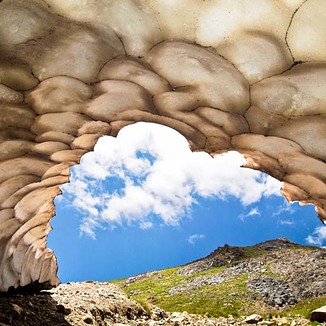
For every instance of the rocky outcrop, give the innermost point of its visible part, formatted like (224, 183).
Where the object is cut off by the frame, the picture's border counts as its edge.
(225, 255)
(219, 257)
(275, 292)
(305, 272)
(97, 303)
(228, 75)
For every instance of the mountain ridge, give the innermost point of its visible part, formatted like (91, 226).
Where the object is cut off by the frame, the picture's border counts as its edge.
(227, 254)
(272, 276)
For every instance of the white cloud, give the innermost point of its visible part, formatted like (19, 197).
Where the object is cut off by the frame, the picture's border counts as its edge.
(318, 237)
(288, 208)
(145, 225)
(286, 222)
(195, 237)
(253, 212)
(165, 187)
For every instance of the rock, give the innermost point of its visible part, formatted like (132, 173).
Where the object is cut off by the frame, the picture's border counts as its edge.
(275, 292)
(17, 308)
(63, 310)
(267, 323)
(177, 317)
(139, 277)
(88, 319)
(151, 323)
(319, 315)
(283, 321)
(158, 313)
(253, 319)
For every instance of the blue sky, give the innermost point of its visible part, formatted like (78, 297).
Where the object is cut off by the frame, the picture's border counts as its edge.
(144, 201)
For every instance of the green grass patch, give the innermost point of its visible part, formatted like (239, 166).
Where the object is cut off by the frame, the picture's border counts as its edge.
(228, 298)
(157, 284)
(224, 299)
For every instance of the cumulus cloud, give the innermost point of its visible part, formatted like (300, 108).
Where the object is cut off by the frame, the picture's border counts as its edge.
(156, 176)
(195, 237)
(318, 237)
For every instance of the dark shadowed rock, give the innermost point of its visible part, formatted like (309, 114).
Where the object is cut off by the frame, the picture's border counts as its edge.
(319, 315)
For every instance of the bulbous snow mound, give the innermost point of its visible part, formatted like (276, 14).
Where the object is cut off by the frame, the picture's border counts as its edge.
(245, 75)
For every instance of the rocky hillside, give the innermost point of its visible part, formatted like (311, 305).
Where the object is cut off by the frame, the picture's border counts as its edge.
(280, 280)
(273, 277)
(281, 271)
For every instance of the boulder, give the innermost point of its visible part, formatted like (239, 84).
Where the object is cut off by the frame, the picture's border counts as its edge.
(253, 319)
(319, 315)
